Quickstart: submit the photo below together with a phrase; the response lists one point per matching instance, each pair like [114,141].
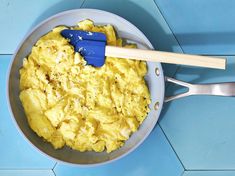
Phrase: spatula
[92,46]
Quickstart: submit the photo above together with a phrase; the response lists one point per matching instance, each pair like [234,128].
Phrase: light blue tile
[153,157]
[26,173]
[15,152]
[209,173]
[205,27]
[201,128]
[146,16]
[18,17]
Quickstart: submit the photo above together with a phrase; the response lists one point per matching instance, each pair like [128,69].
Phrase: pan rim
[8,89]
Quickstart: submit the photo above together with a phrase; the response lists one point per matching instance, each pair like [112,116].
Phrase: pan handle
[217,89]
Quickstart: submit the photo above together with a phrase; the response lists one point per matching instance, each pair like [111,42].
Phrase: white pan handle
[217,89]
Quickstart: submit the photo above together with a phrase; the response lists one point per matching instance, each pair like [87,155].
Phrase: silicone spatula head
[91,45]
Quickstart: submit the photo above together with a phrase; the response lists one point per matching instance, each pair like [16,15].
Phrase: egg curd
[70,103]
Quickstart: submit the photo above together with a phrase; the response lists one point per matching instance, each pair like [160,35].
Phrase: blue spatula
[92,46]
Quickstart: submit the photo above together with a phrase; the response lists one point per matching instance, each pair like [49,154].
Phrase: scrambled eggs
[70,103]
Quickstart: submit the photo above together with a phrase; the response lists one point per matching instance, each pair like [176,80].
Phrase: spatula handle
[165,57]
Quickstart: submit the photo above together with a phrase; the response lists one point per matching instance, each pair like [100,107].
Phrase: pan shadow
[203,75]
[206,38]
[213,43]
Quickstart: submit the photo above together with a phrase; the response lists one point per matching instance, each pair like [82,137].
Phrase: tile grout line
[209,170]
[22,169]
[53,169]
[183,173]
[178,66]
[172,147]
[217,54]
[53,172]
[81,6]
[54,166]
[168,26]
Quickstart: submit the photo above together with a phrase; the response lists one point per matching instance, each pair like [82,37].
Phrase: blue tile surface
[153,157]
[27,173]
[205,27]
[15,152]
[18,17]
[209,173]
[201,128]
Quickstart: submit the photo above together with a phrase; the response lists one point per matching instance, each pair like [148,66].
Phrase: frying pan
[154,78]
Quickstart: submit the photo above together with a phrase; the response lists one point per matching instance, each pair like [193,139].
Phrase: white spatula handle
[165,57]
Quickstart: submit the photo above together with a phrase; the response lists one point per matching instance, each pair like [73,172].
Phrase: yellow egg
[70,103]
